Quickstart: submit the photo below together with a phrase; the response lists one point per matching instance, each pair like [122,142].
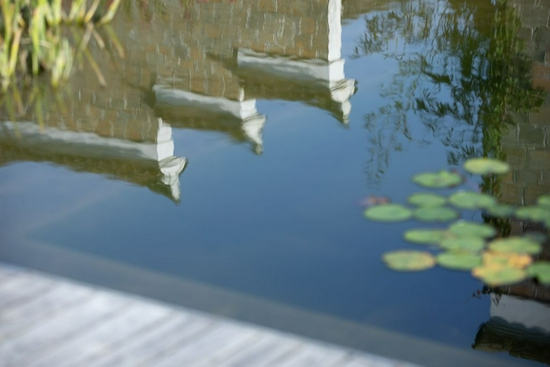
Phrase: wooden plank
[156,342]
[270,349]
[18,317]
[313,355]
[104,338]
[20,288]
[207,344]
[63,326]
[366,360]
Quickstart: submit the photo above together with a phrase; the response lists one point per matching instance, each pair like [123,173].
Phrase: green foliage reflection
[461,72]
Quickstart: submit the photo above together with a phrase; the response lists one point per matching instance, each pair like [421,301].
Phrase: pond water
[236,141]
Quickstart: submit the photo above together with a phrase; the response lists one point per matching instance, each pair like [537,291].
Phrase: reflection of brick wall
[527,142]
[204,34]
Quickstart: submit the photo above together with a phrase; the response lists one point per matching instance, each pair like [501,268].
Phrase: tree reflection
[460,71]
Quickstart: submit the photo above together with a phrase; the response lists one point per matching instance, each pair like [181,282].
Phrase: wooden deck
[50,321]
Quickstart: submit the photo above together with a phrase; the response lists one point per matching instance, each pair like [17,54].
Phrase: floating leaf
[470,229]
[388,213]
[533,213]
[435,214]
[522,245]
[507,259]
[472,244]
[471,200]
[424,236]
[404,260]
[438,180]
[495,276]
[540,270]
[501,210]
[544,201]
[427,199]
[458,260]
[486,166]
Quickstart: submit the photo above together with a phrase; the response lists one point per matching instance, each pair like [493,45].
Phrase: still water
[236,141]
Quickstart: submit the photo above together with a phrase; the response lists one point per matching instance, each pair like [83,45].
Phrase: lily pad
[427,200]
[438,180]
[538,237]
[471,200]
[533,213]
[501,210]
[472,244]
[424,236]
[495,276]
[520,245]
[388,213]
[544,201]
[435,214]
[458,260]
[486,166]
[471,229]
[540,270]
[507,259]
[405,260]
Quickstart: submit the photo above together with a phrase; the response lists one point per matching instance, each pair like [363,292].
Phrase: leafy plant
[36,36]
[467,245]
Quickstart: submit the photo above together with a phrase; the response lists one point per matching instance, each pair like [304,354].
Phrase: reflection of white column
[334,30]
[74,143]
[252,122]
[521,312]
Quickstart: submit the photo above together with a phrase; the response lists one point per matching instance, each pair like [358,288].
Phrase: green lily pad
[471,229]
[521,245]
[427,199]
[388,213]
[507,259]
[502,275]
[435,214]
[472,244]
[533,213]
[540,270]
[501,210]
[458,260]
[405,260]
[424,236]
[438,180]
[486,166]
[471,200]
[544,201]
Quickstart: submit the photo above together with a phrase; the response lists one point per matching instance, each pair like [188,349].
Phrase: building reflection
[201,66]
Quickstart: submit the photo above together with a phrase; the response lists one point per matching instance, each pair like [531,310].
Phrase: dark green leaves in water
[465,245]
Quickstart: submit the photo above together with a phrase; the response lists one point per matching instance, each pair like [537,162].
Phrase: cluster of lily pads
[466,245]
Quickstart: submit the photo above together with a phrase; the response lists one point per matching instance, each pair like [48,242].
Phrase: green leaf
[540,270]
[424,236]
[438,180]
[544,201]
[471,229]
[471,200]
[435,214]
[501,275]
[521,245]
[427,199]
[388,213]
[472,244]
[486,166]
[501,210]
[405,260]
[458,260]
[533,213]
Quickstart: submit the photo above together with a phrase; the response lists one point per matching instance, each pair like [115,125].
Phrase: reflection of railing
[147,163]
